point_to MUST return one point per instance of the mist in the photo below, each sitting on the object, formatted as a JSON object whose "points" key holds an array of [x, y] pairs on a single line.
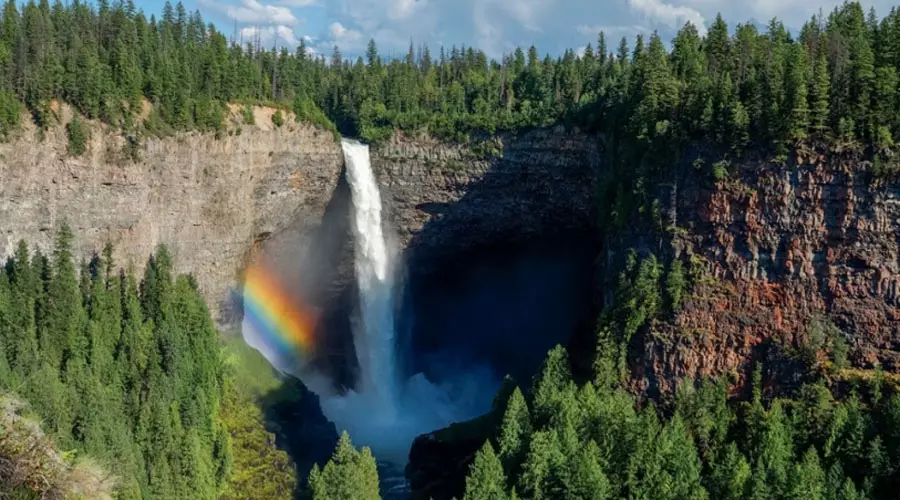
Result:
{"points": [[385, 407]]}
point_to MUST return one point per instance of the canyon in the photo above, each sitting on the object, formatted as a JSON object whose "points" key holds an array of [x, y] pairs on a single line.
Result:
{"points": [[768, 248]]}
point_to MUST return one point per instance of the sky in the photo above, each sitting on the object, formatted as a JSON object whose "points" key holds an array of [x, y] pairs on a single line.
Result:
{"points": [[495, 26]]}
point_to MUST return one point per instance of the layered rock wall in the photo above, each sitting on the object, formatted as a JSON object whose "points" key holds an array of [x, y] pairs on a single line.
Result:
{"points": [[209, 200], [770, 250], [445, 201]]}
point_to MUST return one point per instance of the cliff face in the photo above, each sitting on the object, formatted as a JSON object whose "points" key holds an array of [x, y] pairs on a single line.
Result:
{"points": [[445, 201], [209, 200], [771, 249]]}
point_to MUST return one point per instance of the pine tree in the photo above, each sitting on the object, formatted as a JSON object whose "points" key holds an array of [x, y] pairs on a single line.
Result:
{"points": [[59, 334], [820, 95], [544, 469], [514, 432], [486, 480], [797, 108], [717, 49], [729, 475], [588, 482], [349, 474], [808, 479], [554, 377]]}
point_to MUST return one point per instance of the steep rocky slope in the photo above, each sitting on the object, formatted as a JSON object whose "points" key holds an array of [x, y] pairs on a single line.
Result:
{"points": [[772, 248], [445, 201], [768, 250], [210, 200]]}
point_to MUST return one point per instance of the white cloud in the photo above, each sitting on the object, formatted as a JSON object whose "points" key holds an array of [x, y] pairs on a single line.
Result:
{"points": [[399, 10], [253, 12], [281, 35], [339, 33], [673, 16], [612, 32], [498, 26], [299, 3]]}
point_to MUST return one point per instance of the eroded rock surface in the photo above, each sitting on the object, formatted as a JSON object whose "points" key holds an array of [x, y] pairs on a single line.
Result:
{"points": [[209, 200], [445, 201], [775, 247]]}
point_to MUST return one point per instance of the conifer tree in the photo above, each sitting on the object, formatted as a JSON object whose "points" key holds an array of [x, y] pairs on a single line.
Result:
{"points": [[514, 432], [349, 474], [486, 480], [819, 97], [59, 335]]}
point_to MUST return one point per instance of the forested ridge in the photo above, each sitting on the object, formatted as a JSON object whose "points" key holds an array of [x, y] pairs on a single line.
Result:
{"points": [[707, 101], [732, 88], [564, 439]]}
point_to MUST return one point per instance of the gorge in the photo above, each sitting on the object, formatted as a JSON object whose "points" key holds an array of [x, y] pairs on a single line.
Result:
{"points": [[523, 216], [661, 270]]}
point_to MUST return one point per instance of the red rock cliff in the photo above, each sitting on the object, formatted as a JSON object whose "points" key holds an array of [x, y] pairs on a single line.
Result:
{"points": [[771, 248]]}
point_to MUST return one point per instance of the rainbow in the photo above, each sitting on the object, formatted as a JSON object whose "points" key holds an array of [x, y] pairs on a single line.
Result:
{"points": [[281, 322]]}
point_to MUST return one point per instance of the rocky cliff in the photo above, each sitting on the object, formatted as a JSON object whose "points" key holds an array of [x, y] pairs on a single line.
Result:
{"points": [[772, 248], [208, 199], [446, 201]]}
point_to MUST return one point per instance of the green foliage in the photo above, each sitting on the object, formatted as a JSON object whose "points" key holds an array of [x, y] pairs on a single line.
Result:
{"points": [[676, 285], [822, 336], [78, 135], [32, 466], [597, 442], [307, 111], [259, 468], [247, 115], [278, 119], [720, 170], [515, 431], [208, 114], [639, 300], [134, 381], [486, 480], [349, 474], [10, 111], [749, 87]]}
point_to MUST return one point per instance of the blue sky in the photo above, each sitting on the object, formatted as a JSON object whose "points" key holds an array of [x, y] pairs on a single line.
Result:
{"points": [[496, 26]]}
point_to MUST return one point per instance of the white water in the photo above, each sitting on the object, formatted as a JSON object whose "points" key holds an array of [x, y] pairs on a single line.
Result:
{"points": [[374, 332], [384, 411]]}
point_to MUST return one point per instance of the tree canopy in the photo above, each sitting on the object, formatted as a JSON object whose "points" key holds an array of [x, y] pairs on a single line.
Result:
{"points": [[128, 374]]}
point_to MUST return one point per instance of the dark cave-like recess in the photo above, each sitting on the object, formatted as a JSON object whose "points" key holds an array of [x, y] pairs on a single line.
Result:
{"points": [[504, 307]]}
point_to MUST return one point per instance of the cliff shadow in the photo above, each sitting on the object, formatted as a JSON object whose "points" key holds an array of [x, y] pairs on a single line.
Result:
{"points": [[314, 264], [293, 414], [506, 272]]}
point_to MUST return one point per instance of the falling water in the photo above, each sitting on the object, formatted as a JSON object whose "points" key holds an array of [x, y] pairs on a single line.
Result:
{"points": [[383, 411], [374, 334]]}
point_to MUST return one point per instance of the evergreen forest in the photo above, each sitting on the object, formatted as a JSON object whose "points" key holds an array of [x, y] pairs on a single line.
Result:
{"points": [[124, 372], [735, 88], [131, 372]]}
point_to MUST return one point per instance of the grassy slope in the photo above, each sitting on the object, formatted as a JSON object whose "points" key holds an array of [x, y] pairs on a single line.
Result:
{"points": [[260, 469]]}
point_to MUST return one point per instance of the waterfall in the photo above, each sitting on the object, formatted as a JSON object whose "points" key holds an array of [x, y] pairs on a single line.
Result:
{"points": [[374, 333], [383, 411]]}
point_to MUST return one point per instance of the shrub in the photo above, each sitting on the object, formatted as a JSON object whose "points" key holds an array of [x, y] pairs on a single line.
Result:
{"points": [[720, 170], [676, 285], [78, 136], [278, 119], [306, 111], [247, 115], [208, 114]]}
